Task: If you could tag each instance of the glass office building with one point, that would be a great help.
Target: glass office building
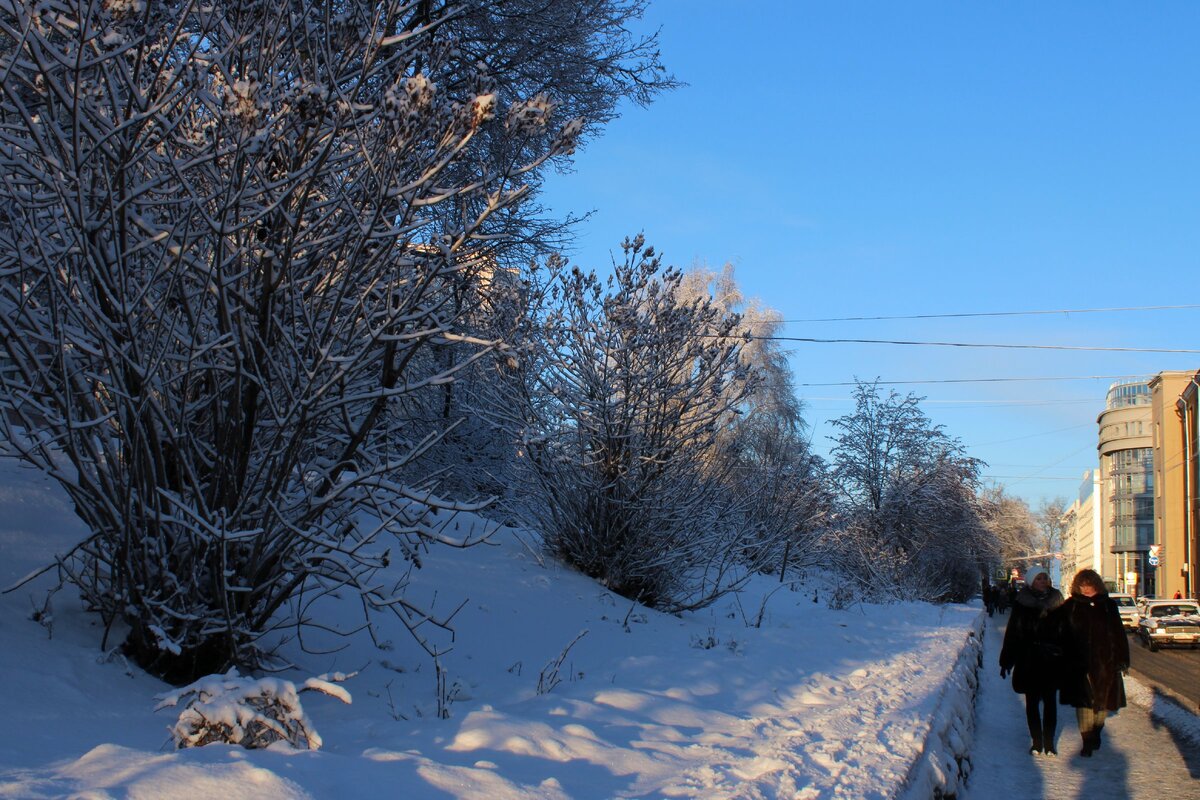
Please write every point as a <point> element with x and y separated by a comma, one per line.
<point>1127,473</point>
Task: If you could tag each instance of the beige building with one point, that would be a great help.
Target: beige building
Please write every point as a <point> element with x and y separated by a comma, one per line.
<point>1170,548</point>
<point>1186,540</point>
<point>1127,486</point>
<point>1082,540</point>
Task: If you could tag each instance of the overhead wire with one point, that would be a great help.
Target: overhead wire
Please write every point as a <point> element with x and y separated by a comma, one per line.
<point>1084,348</point>
<point>1037,475</point>
<point>983,380</point>
<point>994,314</point>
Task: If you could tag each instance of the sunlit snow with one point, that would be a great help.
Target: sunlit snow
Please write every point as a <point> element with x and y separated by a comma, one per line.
<point>864,702</point>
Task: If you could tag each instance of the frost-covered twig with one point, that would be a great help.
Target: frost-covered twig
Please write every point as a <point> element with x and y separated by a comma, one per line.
<point>548,678</point>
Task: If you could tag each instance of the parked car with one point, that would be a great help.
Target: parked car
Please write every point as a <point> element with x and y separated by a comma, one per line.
<point>1128,608</point>
<point>1170,622</point>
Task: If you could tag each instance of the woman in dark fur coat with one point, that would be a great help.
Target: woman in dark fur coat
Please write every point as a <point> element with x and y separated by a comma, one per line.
<point>1097,654</point>
<point>1033,652</point>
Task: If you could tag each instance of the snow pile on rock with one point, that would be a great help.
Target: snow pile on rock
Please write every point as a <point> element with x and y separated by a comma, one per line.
<point>945,763</point>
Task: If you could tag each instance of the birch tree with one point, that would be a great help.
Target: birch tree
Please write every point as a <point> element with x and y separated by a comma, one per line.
<point>781,482</point>
<point>230,238</point>
<point>1012,524</point>
<point>1050,522</point>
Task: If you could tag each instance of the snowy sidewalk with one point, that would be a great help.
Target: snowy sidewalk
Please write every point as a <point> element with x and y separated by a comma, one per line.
<point>1140,757</point>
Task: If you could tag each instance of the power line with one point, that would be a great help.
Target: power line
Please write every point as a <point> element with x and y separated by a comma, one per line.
<point>1037,435</point>
<point>988,403</point>
<point>1029,477</point>
<point>971,344</point>
<point>1037,476</point>
<point>982,380</point>
<point>997,314</point>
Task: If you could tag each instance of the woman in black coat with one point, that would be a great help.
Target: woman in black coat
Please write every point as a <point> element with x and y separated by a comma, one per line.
<point>1097,654</point>
<point>1033,652</point>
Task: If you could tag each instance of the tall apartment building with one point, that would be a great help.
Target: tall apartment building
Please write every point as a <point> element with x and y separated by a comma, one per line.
<point>1127,483</point>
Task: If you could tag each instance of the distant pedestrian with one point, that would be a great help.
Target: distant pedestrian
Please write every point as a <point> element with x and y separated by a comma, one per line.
<point>989,599</point>
<point>1178,595</point>
<point>1097,654</point>
<point>1000,598</point>
<point>1034,652</point>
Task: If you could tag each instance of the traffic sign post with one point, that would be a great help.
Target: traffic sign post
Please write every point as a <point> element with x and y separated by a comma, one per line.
<point>1131,579</point>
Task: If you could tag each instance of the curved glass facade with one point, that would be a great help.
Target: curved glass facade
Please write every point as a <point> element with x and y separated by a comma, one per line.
<point>1124,395</point>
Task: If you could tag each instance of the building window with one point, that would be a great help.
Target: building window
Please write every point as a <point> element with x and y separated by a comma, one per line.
<point>1131,484</point>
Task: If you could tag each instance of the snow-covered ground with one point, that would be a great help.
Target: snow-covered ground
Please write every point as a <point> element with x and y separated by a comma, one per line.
<point>1151,748</point>
<point>865,702</point>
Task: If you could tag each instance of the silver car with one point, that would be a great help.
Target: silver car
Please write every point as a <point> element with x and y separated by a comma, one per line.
<point>1170,623</point>
<point>1128,609</point>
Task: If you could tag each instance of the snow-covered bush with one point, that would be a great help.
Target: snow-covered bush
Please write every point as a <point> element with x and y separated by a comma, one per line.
<point>251,712</point>
<point>628,397</point>
<point>233,237</point>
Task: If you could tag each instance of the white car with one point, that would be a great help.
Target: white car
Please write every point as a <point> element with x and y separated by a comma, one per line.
<point>1170,622</point>
<point>1128,608</point>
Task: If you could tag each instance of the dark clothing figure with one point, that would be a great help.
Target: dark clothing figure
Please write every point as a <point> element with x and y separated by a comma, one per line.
<point>1034,651</point>
<point>1097,654</point>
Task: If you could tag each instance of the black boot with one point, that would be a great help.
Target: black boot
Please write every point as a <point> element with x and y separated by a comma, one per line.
<point>1086,752</point>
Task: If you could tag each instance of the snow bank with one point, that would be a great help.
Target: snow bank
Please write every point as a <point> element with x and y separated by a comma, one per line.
<point>945,761</point>
<point>1165,707</point>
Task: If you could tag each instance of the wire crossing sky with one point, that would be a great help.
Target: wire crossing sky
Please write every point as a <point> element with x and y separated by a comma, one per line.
<point>999,313</point>
<point>937,174</point>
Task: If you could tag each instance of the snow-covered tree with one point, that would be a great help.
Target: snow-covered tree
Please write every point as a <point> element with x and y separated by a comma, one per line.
<point>1012,525</point>
<point>231,239</point>
<point>577,59</point>
<point>771,465</point>
<point>774,395</point>
<point>624,409</point>
<point>1050,516</point>
<point>909,523</point>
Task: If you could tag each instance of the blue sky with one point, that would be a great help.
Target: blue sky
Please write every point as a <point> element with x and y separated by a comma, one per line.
<point>859,159</point>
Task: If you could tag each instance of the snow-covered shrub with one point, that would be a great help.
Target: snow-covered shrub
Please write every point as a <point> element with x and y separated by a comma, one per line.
<point>627,400</point>
<point>233,261</point>
<point>251,712</point>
